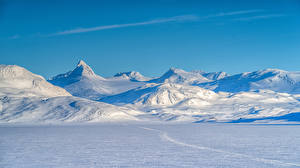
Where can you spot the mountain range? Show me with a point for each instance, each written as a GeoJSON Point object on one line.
{"type": "Point", "coordinates": [81, 95]}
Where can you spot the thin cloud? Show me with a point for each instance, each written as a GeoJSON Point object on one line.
{"type": "Point", "coordinates": [233, 13]}
{"type": "Point", "coordinates": [155, 21]}
{"type": "Point", "coordinates": [258, 17]}
{"type": "Point", "coordinates": [181, 18]}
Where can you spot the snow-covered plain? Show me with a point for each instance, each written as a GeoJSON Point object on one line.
{"type": "Point", "coordinates": [150, 145]}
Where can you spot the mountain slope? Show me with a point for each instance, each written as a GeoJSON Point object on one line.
{"type": "Point", "coordinates": [213, 75]}
{"type": "Point", "coordinates": [180, 76]}
{"type": "Point", "coordinates": [131, 75]}
{"type": "Point", "coordinates": [61, 109]}
{"type": "Point", "coordinates": [83, 82]}
{"type": "Point", "coordinates": [17, 81]}
{"type": "Point", "coordinates": [271, 79]}
{"type": "Point", "coordinates": [161, 95]}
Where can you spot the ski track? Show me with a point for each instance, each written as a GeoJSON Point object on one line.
{"type": "Point", "coordinates": [166, 137]}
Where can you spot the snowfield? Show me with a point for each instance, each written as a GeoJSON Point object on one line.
{"type": "Point", "coordinates": [150, 145]}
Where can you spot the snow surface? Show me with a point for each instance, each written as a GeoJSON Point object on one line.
{"type": "Point", "coordinates": [149, 145]}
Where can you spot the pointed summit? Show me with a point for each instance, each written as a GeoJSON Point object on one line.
{"type": "Point", "coordinates": [81, 63]}
{"type": "Point", "coordinates": [83, 69]}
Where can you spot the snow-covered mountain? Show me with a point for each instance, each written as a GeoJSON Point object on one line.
{"type": "Point", "coordinates": [177, 102]}
{"type": "Point", "coordinates": [132, 75]}
{"type": "Point", "coordinates": [165, 94]}
{"type": "Point", "coordinates": [27, 97]}
{"type": "Point", "coordinates": [175, 96]}
{"type": "Point", "coordinates": [17, 81]}
{"type": "Point", "coordinates": [179, 76]}
{"type": "Point", "coordinates": [213, 75]}
{"type": "Point", "coordinates": [271, 79]}
{"type": "Point", "coordinates": [83, 82]}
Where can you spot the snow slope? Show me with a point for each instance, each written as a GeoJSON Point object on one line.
{"type": "Point", "coordinates": [132, 75]}
{"type": "Point", "coordinates": [271, 79]}
{"type": "Point", "coordinates": [83, 82]}
{"type": "Point", "coordinates": [61, 109]}
{"type": "Point", "coordinates": [213, 75]}
{"type": "Point", "coordinates": [179, 76]}
{"type": "Point", "coordinates": [17, 81]}
{"type": "Point", "coordinates": [162, 95]}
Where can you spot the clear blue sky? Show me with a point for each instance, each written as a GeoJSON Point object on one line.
{"type": "Point", "coordinates": [50, 37]}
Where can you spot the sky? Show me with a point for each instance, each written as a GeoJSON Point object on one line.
{"type": "Point", "coordinates": [49, 37]}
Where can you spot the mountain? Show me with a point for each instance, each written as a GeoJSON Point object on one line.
{"type": "Point", "coordinates": [176, 96]}
{"type": "Point", "coordinates": [161, 95]}
{"type": "Point", "coordinates": [271, 79]}
{"type": "Point", "coordinates": [19, 82]}
{"type": "Point", "coordinates": [132, 75]}
{"type": "Point", "coordinates": [213, 75]}
{"type": "Point", "coordinates": [177, 102]}
{"type": "Point", "coordinates": [83, 82]}
{"type": "Point", "coordinates": [27, 97]}
{"type": "Point", "coordinates": [179, 76]}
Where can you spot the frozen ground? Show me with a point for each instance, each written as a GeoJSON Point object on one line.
{"type": "Point", "coordinates": [150, 145]}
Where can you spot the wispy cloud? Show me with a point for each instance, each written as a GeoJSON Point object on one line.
{"type": "Point", "coordinates": [258, 17]}
{"type": "Point", "coordinates": [182, 18]}
{"type": "Point", "coordinates": [150, 22]}
{"type": "Point", "coordinates": [241, 12]}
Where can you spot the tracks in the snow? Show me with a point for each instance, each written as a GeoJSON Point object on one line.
{"type": "Point", "coordinates": [163, 135]}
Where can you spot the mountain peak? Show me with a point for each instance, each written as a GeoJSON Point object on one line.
{"type": "Point", "coordinates": [83, 69]}
{"type": "Point", "coordinates": [81, 63]}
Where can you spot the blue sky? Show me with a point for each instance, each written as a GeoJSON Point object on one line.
{"type": "Point", "coordinates": [50, 37]}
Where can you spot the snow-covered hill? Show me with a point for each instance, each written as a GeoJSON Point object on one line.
{"type": "Point", "coordinates": [61, 109]}
{"type": "Point", "coordinates": [213, 75]}
{"type": "Point", "coordinates": [83, 82]}
{"type": "Point", "coordinates": [179, 76]}
{"type": "Point", "coordinates": [132, 75]}
{"type": "Point", "coordinates": [19, 82]}
{"type": "Point", "coordinates": [165, 94]}
{"type": "Point", "coordinates": [271, 79]}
